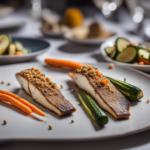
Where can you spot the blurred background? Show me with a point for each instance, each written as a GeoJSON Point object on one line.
{"type": "Point", "coordinates": [133, 15]}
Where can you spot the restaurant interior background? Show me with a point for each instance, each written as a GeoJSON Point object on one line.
{"type": "Point", "coordinates": [45, 20]}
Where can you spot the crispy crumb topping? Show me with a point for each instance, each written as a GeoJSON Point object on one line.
{"type": "Point", "coordinates": [95, 76]}
{"type": "Point", "coordinates": [44, 84]}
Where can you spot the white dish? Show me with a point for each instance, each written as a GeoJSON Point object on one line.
{"type": "Point", "coordinates": [5, 11]}
{"type": "Point", "coordinates": [68, 36]}
{"type": "Point", "coordinates": [22, 127]}
{"type": "Point", "coordinates": [110, 42]}
{"type": "Point", "coordinates": [12, 22]}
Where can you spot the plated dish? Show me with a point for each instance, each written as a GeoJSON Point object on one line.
{"type": "Point", "coordinates": [132, 54]}
{"type": "Point", "coordinates": [75, 126]}
{"type": "Point", "coordinates": [29, 48]}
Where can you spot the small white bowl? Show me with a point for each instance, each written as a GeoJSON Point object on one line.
{"type": "Point", "coordinates": [110, 43]}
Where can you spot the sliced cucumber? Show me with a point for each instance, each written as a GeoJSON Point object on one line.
{"type": "Point", "coordinates": [25, 50]}
{"type": "Point", "coordinates": [4, 43]}
{"type": "Point", "coordinates": [128, 55]}
{"type": "Point", "coordinates": [12, 49]}
{"type": "Point", "coordinates": [19, 46]}
{"type": "Point", "coordinates": [130, 91]}
{"type": "Point", "coordinates": [113, 54]}
{"type": "Point", "coordinates": [92, 108]}
{"type": "Point", "coordinates": [144, 54]}
{"type": "Point", "coordinates": [121, 44]}
{"type": "Point", "coordinates": [109, 50]}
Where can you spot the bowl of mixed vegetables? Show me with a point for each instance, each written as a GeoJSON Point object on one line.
{"type": "Point", "coordinates": [125, 52]}
{"type": "Point", "coordinates": [17, 49]}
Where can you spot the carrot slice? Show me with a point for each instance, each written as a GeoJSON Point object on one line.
{"type": "Point", "coordinates": [70, 74]}
{"type": "Point", "coordinates": [63, 63]}
{"type": "Point", "coordinates": [18, 53]}
{"type": "Point", "coordinates": [15, 103]}
{"type": "Point", "coordinates": [31, 106]}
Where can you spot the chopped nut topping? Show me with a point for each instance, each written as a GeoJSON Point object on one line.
{"type": "Point", "coordinates": [5, 122]}
{"type": "Point", "coordinates": [148, 101]}
{"type": "Point", "coordinates": [2, 82]}
{"type": "Point", "coordinates": [50, 127]}
{"type": "Point", "coordinates": [8, 83]}
{"type": "Point", "coordinates": [61, 86]}
{"type": "Point", "coordinates": [111, 66]}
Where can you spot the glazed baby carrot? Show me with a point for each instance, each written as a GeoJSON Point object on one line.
{"type": "Point", "coordinates": [63, 63]}
{"type": "Point", "coordinates": [16, 103]}
{"type": "Point", "coordinates": [31, 106]}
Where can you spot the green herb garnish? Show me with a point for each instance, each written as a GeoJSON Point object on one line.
{"type": "Point", "coordinates": [72, 121]}
{"type": "Point", "coordinates": [18, 96]}
{"type": "Point", "coordinates": [79, 103]}
{"type": "Point", "coordinates": [35, 76]}
{"type": "Point", "coordinates": [36, 69]}
{"type": "Point", "coordinates": [43, 74]}
{"type": "Point", "coordinates": [92, 71]}
{"type": "Point", "coordinates": [124, 79]}
{"type": "Point", "coordinates": [84, 66]}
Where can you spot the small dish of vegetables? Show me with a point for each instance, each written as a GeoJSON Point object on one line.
{"type": "Point", "coordinates": [125, 52]}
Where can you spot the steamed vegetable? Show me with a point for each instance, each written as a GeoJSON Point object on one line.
{"type": "Point", "coordinates": [127, 55]}
{"type": "Point", "coordinates": [121, 44]}
{"type": "Point", "coordinates": [130, 91]}
{"type": "Point", "coordinates": [63, 63]}
{"type": "Point", "coordinates": [4, 43]}
{"type": "Point", "coordinates": [144, 56]}
{"type": "Point", "coordinates": [95, 112]}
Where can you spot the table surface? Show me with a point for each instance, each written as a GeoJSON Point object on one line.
{"type": "Point", "coordinates": [62, 49]}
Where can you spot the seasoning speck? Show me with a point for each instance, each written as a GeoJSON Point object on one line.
{"type": "Point", "coordinates": [5, 122]}
{"type": "Point", "coordinates": [8, 83]}
{"type": "Point", "coordinates": [72, 90]}
{"type": "Point", "coordinates": [50, 127]}
{"type": "Point", "coordinates": [148, 101]}
{"type": "Point", "coordinates": [72, 121]}
{"type": "Point", "coordinates": [2, 82]}
{"type": "Point", "coordinates": [61, 86]}
{"type": "Point", "coordinates": [139, 86]}
{"type": "Point", "coordinates": [111, 66]}
{"type": "Point", "coordinates": [45, 121]}
{"type": "Point", "coordinates": [141, 108]}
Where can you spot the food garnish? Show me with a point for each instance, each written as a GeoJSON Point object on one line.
{"type": "Point", "coordinates": [8, 83]}
{"type": "Point", "coordinates": [2, 82]}
{"type": "Point", "coordinates": [50, 127]}
{"type": "Point", "coordinates": [4, 122]}
{"type": "Point", "coordinates": [72, 121]}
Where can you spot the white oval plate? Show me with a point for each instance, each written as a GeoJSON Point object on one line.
{"type": "Point", "coordinates": [22, 127]}
{"type": "Point", "coordinates": [111, 42]}
{"type": "Point", "coordinates": [68, 36]}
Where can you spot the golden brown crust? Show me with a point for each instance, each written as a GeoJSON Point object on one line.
{"type": "Point", "coordinates": [108, 93]}
{"type": "Point", "coordinates": [49, 90]}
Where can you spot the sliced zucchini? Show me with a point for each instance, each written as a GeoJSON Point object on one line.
{"type": "Point", "coordinates": [121, 44]}
{"type": "Point", "coordinates": [12, 49]}
{"type": "Point", "coordinates": [130, 91]}
{"type": "Point", "coordinates": [95, 112]}
{"type": "Point", "coordinates": [4, 43]}
{"type": "Point", "coordinates": [144, 54]}
{"type": "Point", "coordinates": [113, 54]}
{"type": "Point", "coordinates": [128, 55]}
{"type": "Point", "coordinates": [109, 50]}
{"type": "Point", "coordinates": [19, 46]}
{"type": "Point", "coordinates": [25, 50]}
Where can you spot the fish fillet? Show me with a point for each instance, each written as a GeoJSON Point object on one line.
{"type": "Point", "coordinates": [107, 96]}
{"type": "Point", "coordinates": [45, 93]}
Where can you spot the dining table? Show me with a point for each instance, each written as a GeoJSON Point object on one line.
{"type": "Point", "coordinates": [60, 48]}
